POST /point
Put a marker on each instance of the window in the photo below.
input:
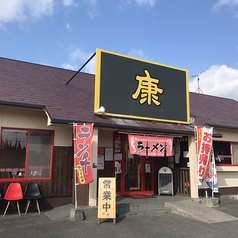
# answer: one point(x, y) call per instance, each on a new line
point(26, 154)
point(225, 152)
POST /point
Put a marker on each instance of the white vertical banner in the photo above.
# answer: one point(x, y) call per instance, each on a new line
point(211, 179)
point(204, 155)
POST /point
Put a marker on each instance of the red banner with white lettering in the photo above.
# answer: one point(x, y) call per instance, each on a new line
point(151, 145)
point(83, 154)
point(204, 142)
point(199, 137)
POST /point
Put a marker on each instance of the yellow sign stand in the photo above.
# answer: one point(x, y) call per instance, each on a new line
point(107, 199)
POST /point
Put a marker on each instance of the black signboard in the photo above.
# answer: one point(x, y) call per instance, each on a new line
point(134, 88)
point(165, 181)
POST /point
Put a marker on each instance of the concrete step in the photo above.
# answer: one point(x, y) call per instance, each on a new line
point(128, 210)
point(199, 211)
point(145, 213)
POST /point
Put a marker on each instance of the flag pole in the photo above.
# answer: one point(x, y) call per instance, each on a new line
point(75, 177)
point(213, 170)
point(197, 152)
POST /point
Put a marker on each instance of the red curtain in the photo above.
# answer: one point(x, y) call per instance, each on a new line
point(151, 145)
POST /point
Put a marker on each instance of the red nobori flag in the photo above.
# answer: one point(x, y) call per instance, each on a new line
point(83, 154)
point(151, 145)
point(204, 155)
point(199, 137)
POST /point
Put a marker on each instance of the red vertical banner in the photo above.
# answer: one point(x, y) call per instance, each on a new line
point(83, 153)
point(204, 155)
point(199, 131)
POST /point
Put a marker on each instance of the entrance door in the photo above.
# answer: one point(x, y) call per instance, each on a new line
point(133, 174)
point(136, 172)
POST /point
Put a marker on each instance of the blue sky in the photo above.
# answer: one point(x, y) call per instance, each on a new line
point(198, 35)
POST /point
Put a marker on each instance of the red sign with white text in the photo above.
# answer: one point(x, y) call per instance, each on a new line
point(83, 154)
point(151, 145)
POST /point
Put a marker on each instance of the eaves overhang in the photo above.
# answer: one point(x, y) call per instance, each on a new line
point(234, 127)
point(20, 104)
point(174, 128)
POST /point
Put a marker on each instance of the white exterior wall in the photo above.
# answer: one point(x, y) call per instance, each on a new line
point(193, 167)
point(93, 185)
point(15, 117)
point(101, 138)
point(228, 135)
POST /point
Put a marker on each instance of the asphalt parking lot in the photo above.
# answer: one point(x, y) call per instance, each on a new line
point(163, 225)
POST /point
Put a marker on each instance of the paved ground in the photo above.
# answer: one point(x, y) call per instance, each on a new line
point(56, 224)
point(166, 225)
point(201, 212)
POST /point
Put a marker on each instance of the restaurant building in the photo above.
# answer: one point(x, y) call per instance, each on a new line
point(39, 105)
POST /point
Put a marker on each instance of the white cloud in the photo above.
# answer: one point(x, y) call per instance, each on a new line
point(70, 66)
point(136, 53)
point(78, 54)
point(92, 2)
point(150, 3)
point(68, 3)
point(124, 3)
point(93, 13)
point(230, 3)
point(68, 27)
point(81, 57)
point(146, 2)
point(219, 81)
point(91, 66)
point(21, 10)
